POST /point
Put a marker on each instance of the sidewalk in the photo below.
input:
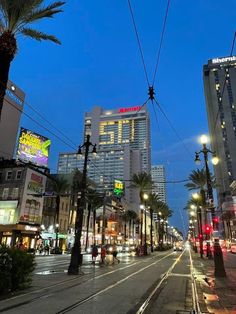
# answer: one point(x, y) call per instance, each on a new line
point(216, 295)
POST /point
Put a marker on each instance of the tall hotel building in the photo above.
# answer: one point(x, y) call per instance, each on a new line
point(220, 92)
point(123, 148)
point(159, 178)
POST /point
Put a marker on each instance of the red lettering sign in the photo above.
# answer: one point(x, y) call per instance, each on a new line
point(122, 110)
point(36, 178)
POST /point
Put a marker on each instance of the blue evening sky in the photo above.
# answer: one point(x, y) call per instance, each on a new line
point(98, 63)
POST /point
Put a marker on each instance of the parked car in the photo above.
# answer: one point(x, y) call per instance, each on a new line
point(233, 247)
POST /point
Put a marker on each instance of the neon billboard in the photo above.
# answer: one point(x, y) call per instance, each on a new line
point(33, 147)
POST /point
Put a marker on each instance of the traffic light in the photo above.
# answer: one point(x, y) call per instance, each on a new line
point(207, 229)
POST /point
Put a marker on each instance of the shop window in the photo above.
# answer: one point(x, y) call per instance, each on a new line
point(9, 175)
point(5, 193)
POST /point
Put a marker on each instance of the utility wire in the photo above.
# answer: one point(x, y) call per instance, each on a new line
point(172, 127)
point(40, 125)
point(42, 117)
point(161, 42)
point(139, 42)
point(222, 94)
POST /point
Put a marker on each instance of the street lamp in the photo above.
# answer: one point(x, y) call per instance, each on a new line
point(57, 230)
point(145, 197)
point(218, 256)
point(76, 256)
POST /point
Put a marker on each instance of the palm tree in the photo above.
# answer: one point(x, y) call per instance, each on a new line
point(142, 181)
point(198, 182)
point(95, 200)
point(15, 18)
point(60, 186)
point(153, 203)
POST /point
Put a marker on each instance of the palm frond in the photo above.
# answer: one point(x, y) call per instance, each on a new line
point(46, 12)
point(37, 35)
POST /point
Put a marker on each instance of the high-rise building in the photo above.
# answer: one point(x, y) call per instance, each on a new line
point(220, 92)
point(123, 145)
point(10, 119)
point(159, 179)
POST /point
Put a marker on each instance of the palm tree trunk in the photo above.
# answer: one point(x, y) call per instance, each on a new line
point(87, 227)
point(129, 228)
point(151, 214)
point(7, 52)
point(125, 230)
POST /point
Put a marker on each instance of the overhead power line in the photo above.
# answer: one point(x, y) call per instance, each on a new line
point(161, 42)
point(139, 42)
point(41, 125)
point(44, 118)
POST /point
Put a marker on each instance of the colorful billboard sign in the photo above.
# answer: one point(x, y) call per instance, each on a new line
point(32, 202)
point(118, 188)
point(33, 147)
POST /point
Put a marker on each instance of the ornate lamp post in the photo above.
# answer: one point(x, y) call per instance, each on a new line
point(145, 197)
point(76, 256)
point(218, 256)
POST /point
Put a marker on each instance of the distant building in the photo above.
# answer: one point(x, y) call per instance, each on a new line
point(123, 148)
point(159, 179)
point(220, 92)
point(10, 119)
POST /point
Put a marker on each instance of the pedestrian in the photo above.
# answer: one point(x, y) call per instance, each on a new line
point(114, 254)
point(21, 246)
point(46, 249)
point(103, 254)
point(94, 253)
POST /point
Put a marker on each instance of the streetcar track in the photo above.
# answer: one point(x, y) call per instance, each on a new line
point(145, 304)
point(78, 303)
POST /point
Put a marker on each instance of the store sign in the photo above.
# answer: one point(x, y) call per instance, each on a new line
point(118, 188)
point(30, 228)
point(123, 110)
point(33, 147)
point(32, 201)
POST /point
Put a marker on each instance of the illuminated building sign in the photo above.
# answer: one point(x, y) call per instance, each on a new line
point(226, 59)
point(123, 110)
point(33, 147)
point(118, 188)
point(116, 132)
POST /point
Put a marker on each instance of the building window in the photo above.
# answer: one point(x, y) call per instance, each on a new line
point(5, 193)
point(18, 174)
point(15, 193)
point(9, 175)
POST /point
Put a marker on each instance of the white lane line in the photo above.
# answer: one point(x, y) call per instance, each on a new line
point(145, 304)
point(69, 308)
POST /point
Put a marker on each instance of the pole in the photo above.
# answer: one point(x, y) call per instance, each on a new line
point(76, 256)
point(151, 215)
point(141, 222)
point(104, 220)
point(218, 256)
point(145, 230)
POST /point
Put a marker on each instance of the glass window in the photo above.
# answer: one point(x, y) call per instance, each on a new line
point(15, 192)
point(9, 175)
point(18, 174)
point(5, 193)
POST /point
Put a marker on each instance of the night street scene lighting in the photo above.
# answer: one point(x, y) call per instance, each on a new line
point(76, 256)
point(218, 256)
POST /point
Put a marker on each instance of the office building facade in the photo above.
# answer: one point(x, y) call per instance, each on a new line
point(10, 119)
point(123, 145)
point(159, 179)
point(220, 92)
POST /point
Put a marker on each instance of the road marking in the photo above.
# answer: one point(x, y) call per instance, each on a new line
point(73, 306)
point(145, 304)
